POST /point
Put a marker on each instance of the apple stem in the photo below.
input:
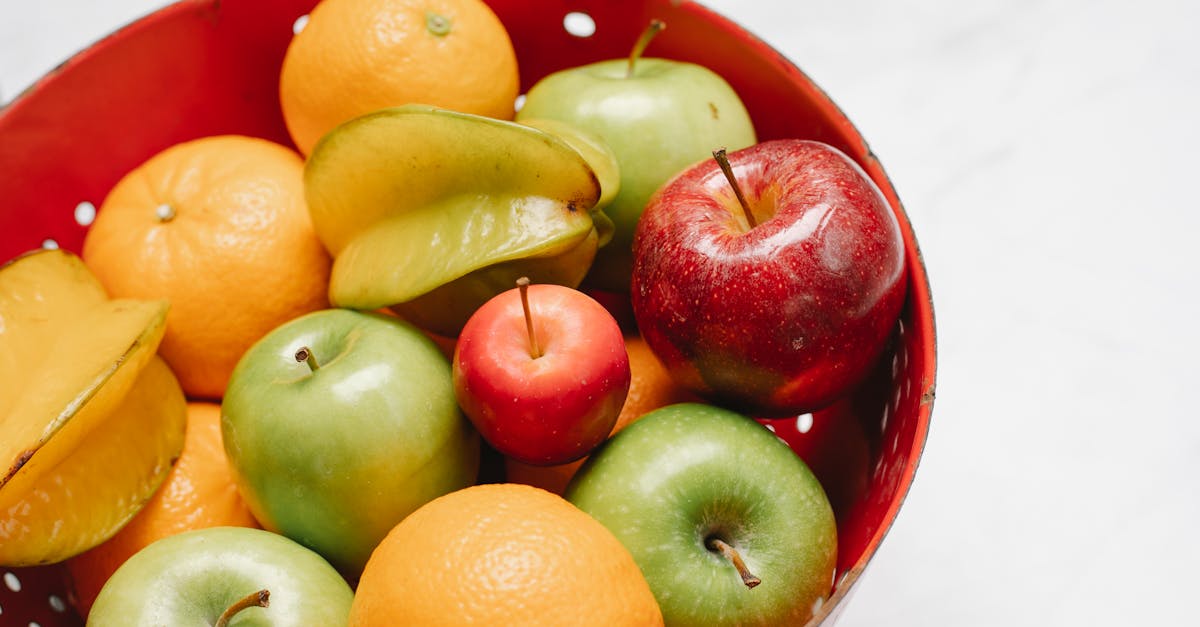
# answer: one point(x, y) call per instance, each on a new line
point(164, 212)
point(305, 355)
point(262, 598)
point(723, 161)
point(523, 286)
point(731, 554)
point(653, 29)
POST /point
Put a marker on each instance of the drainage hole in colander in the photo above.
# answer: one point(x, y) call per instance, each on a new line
point(579, 24)
point(85, 212)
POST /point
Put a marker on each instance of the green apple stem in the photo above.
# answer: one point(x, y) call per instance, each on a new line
point(720, 546)
point(723, 161)
point(305, 355)
point(653, 29)
point(164, 212)
point(262, 598)
point(523, 286)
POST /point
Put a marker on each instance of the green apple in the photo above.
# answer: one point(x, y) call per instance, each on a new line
point(338, 424)
point(197, 577)
point(658, 116)
point(434, 211)
point(728, 525)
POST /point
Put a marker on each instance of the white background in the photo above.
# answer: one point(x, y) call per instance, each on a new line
point(1046, 154)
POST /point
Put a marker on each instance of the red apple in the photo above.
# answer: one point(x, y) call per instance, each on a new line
point(777, 302)
point(542, 372)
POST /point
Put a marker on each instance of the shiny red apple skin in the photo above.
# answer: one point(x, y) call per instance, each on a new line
point(784, 317)
point(557, 407)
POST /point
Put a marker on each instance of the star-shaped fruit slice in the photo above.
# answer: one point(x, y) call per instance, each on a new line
point(90, 419)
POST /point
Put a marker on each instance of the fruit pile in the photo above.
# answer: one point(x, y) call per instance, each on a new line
point(272, 385)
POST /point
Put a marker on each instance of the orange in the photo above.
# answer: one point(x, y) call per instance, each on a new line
point(357, 56)
point(650, 387)
point(502, 554)
point(199, 492)
point(219, 227)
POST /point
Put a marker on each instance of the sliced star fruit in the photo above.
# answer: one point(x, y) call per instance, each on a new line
point(432, 212)
point(90, 419)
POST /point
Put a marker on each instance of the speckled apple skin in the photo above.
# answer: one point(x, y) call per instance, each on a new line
point(784, 317)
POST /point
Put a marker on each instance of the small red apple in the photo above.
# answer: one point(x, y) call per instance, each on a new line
point(771, 287)
point(542, 372)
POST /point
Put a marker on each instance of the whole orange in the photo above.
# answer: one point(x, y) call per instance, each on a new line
point(502, 554)
point(199, 492)
point(219, 227)
point(357, 56)
point(650, 387)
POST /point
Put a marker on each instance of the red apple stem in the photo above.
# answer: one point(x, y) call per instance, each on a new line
point(523, 286)
point(655, 27)
point(731, 554)
point(723, 161)
point(262, 598)
point(305, 355)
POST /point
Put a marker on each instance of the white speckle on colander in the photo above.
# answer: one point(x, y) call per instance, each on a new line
point(57, 604)
point(50, 244)
point(804, 423)
point(299, 24)
point(12, 582)
point(34, 623)
point(85, 212)
point(579, 24)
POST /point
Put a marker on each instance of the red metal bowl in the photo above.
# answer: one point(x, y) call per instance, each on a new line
point(207, 67)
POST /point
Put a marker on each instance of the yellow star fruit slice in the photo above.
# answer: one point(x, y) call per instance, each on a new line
point(412, 199)
point(90, 419)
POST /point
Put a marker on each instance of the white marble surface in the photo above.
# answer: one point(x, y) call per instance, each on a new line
point(1045, 152)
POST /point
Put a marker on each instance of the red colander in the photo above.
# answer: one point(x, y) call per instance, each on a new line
point(209, 67)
